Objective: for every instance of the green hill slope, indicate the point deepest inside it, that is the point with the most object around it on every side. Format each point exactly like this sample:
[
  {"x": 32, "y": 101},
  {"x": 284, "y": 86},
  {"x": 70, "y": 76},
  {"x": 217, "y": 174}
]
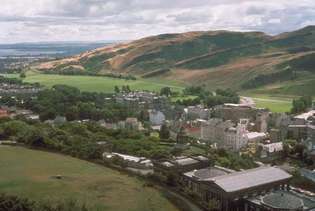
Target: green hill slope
[{"x": 239, "y": 60}]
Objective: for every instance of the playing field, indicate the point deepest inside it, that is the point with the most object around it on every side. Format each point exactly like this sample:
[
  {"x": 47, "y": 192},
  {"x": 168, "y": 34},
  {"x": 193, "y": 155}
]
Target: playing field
[
  {"x": 100, "y": 84},
  {"x": 29, "y": 173}
]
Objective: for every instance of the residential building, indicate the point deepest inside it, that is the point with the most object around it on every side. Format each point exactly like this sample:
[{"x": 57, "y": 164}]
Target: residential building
[
  {"x": 196, "y": 112},
  {"x": 271, "y": 149},
  {"x": 156, "y": 117},
  {"x": 4, "y": 113}
]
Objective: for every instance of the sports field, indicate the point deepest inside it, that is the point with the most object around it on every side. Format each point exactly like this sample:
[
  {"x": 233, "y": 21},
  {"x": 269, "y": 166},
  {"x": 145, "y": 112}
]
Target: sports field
[
  {"x": 100, "y": 84},
  {"x": 29, "y": 173}
]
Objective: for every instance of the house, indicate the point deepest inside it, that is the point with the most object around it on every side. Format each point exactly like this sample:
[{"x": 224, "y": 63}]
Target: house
[
  {"x": 235, "y": 112},
  {"x": 310, "y": 142},
  {"x": 214, "y": 129},
  {"x": 234, "y": 138},
  {"x": 304, "y": 118},
  {"x": 196, "y": 112},
  {"x": 271, "y": 149},
  {"x": 133, "y": 124},
  {"x": 4, "y": 113},
  {"x": 156, "y": 117}
]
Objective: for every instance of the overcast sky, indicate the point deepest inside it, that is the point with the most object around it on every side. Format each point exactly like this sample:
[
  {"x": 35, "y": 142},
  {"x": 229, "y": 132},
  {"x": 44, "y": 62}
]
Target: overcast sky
[{"x": 95, "y": 20}]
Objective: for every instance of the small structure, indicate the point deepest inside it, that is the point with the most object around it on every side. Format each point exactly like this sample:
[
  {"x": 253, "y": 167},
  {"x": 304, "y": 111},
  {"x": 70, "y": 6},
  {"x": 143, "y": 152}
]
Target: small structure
[
  {"x": 131, "y": 161},
  {"x": 271, "y": 149},
  {"x": 4, "y": 113}
]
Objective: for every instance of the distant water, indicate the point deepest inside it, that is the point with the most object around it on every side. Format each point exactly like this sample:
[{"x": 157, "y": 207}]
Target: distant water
[{"x": 46, "y": 49}]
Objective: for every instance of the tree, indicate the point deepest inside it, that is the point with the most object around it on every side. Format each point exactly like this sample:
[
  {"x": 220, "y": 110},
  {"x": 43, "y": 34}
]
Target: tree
[
  {"x": 166, "y": 91},
  {"x": 301, "y": 104},
  {"x": 22, "y": 75},
  {"x": 164, "y": 132},
  {"x": 117, "y": 90}
]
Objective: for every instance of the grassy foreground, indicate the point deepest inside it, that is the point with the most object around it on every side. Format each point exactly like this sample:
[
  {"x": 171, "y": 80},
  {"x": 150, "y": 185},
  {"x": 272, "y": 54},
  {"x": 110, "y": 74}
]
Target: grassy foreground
[
  {"x": 28, "y": 173},
  {"x": 100, "y": 84}
]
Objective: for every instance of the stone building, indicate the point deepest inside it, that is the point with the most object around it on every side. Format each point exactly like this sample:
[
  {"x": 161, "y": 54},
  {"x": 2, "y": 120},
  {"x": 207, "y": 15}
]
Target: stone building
[{"x": 230, "y": 189}]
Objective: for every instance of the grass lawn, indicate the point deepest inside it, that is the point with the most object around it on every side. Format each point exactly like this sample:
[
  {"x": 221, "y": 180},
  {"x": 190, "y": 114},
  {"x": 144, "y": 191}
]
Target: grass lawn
[
  {"x": 28, "y": 173},
  {"x": 276, "y": 103},
  {"x": 98, "y": 83}
]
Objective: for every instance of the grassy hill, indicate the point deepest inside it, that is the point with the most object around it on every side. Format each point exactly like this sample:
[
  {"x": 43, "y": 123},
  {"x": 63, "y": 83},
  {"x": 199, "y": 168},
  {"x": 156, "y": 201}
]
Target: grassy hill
[
  {"x": 29, "y": 173},
  {"x": 238, "y": 60}
]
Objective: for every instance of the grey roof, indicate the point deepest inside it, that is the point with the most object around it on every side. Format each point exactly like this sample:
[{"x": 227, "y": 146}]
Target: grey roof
[
  {"x": 186, "y": 161},
  {"x": 283, "y": 201},
  {"x": 250, "y": 178},
  {"x": 206, "y": 173}
]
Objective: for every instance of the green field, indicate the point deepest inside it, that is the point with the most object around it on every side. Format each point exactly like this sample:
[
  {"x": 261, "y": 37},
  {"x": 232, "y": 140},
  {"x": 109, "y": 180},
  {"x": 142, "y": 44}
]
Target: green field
[
  {"x": 28, "y": 173},
  {"x": 98, "y": 83},
  {"x": 274, "y": 103}
]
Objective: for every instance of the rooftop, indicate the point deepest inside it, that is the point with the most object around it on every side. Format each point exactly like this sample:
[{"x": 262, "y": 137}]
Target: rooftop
[
  {"x": 282, "y": 201},
  {"x": 285, "y": 200},
  {"x": 250, "y": 178},
  {"x": 253, "y": 135},
  {"x": 306, "y": 115},
  {"x": 206, "y": 173},
  {"x": 185, "y": 161}
]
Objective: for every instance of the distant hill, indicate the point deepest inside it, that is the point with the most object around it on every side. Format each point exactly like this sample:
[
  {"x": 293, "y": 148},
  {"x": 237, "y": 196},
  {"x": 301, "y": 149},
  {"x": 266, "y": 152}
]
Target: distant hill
[{"x": 239, "y": 60}]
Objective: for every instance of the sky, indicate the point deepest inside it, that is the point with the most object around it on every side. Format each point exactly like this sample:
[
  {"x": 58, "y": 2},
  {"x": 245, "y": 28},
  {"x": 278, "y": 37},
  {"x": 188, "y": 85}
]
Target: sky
[{"x": 101, "y": 20}]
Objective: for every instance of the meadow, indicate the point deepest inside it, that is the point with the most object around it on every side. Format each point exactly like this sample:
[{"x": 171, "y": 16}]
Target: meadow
[
  {"x": 100, "y": 84},
  {"x": 29, "y": 173},
  {"x": 275, "y": 103}
]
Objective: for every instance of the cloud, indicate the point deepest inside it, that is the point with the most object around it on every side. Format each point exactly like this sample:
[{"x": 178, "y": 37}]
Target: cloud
[{"x": 88, "y": 20}]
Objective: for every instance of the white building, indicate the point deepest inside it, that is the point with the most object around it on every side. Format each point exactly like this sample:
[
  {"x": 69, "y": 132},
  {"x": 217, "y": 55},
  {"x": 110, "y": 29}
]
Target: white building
[
  {"x": 235, "y": 137},
  {"x": 156, "y": 117},
  {"x": 269, "y": 149}
]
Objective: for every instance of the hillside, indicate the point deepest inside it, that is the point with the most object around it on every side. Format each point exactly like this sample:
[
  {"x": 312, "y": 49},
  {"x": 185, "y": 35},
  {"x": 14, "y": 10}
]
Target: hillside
[
  {"x": 239, "y": 60},
  {"x": 30, "y": 173}
]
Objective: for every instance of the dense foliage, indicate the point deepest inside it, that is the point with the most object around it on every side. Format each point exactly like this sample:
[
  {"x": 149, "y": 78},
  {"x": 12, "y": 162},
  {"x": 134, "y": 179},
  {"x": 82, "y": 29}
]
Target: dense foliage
[
  {"x": 301, "y": 104},
  {"x": 264, "y": 79},
  {"x": 208, "y": 98},
  {"x": 74, "y": 71},
  {"x": 68, "y": 101},
  {"x": 231, "y": 160},
  {"x": 82, "y": 140}
]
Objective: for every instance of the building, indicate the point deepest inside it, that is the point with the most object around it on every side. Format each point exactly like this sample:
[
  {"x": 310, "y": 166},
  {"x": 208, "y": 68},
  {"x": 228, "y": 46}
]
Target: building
[
  {"x": 271, "y": 149},
  {"x": 196, "y": 112},
  {"x": 181, "y": 164},
  {"x": 234, "y": 138},
  {"x": 279, "y": 200},
  {"x": 214, "y": 129},
  {"x": 4, "y": 113},
  {"x": 156, "y": 117},
  {"x": 229, "y": 189},
  {"x": 131, "y": 161},
  {"x": 304, "y": 118},
  {"x": 130, "y": 124},
  {"x": 235, "y": 112}
]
